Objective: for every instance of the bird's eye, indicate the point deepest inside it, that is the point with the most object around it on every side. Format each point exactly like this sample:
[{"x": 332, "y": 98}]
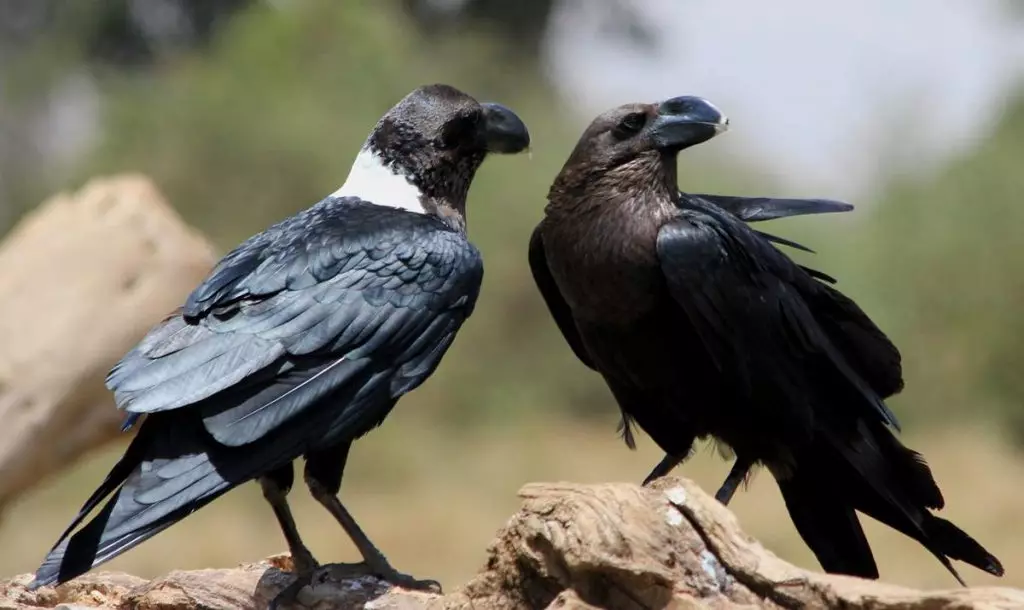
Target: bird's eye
[
  {"x": 459, "y": 130},
  {"x": 630, "y": 125}
]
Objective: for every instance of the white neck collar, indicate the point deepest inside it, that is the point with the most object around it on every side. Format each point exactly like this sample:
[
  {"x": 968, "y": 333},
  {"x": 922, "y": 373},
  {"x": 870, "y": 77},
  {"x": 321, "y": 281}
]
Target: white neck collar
[{"x": 370, "y": 179}]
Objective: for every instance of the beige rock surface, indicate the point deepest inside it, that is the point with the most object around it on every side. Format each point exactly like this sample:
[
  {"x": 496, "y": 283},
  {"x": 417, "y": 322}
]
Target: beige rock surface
[
  {"x": 82, "y": 278},
  {"x": 616, "y": 546}
]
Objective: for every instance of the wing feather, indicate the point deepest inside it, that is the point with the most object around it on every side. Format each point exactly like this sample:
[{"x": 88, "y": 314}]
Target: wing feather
[
  {"x": 755, "y": 209},
  {"x": 746, "y": 300},
  {"x": 560, "y": 310},
  {"x": 294, "y": 314}
]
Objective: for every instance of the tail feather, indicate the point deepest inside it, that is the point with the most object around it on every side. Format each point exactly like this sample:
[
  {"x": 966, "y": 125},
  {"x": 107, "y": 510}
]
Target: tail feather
[
  {"x": 132, "y": 457},
  {"x": 163, "y": 477},
  {"x": 876, "y": 475},
  {"x": 957, "y": 544},
  {"x": 896, "y": 487},
  {"x": 92, "y": 546},
  {"x": 829, "y": 526},
  {"x": 909, "y": 470}
]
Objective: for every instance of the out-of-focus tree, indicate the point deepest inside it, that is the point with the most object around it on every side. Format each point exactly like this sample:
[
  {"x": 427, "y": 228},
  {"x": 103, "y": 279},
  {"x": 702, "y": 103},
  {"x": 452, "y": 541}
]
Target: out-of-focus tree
[
  {"x": 960, "y": 324},
  {"x": 139, "y": 32},
  {"x": 521, "y": 23},
  {"x": 54, "y": 55},
  {"x": 123, "y": 33}
]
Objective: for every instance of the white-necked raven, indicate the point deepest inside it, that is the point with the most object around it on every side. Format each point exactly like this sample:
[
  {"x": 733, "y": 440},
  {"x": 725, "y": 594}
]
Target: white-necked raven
[{"x": 302, "y": 339}]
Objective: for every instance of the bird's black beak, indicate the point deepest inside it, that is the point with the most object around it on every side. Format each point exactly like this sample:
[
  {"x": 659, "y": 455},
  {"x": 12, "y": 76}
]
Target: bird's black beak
[
  {"x": 686, "y": 121},
  {"x": 504, "y": 131}
]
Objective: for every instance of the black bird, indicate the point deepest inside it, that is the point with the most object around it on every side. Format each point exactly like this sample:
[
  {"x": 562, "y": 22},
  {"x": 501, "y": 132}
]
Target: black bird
[
  {"x": 302, "y": 339},
  {"x": 702, "y": 328}
]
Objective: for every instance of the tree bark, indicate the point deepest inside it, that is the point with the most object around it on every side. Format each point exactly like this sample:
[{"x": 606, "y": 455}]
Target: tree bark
[
  {"x": 82, "y": 277},
  {"x": 614, "y": 546}
]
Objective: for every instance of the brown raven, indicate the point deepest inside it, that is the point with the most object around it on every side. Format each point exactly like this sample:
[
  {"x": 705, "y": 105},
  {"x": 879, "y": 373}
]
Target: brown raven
[{"x": 702, "y": 328}]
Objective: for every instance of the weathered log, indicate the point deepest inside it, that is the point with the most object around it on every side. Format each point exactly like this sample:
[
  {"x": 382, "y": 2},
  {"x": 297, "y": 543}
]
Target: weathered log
[
  {"x": 81, "y": 280},
  {"x": 570, "y": 546}
]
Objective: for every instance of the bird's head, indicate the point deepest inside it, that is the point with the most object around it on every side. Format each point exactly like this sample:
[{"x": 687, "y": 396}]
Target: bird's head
[
  {"x": 424, "y": 152},
  {"x": 633, "y": 140}
]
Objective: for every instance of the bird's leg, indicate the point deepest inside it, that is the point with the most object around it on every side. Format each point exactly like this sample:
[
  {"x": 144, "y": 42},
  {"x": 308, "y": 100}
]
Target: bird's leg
[
  {"x": 670, "y": 461},
  {"x": 739, "y": 471},
  {"x": 276, "y": 486},
  {"x": 323, "y": 477},
  {"x": 664, "y": 467},
  {"x": 374, "y": 559}
]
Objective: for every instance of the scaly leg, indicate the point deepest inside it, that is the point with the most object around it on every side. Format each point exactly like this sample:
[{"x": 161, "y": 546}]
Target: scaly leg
[
  {"x": 740, "y": 469},
  {"x": 664, "y": 467},
  {"x": 276, "y": 486},
  {"x": 323, "y": 476}
]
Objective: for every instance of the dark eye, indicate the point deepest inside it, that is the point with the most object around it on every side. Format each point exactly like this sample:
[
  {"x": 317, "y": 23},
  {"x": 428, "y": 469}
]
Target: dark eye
[
  {"x": 459, "y": 130},
  {"x": 630, "y": 125}
]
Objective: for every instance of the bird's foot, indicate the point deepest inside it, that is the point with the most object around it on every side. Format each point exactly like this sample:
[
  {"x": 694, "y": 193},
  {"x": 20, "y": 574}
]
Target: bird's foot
[
  {"x": 380, "y": 568},
  {"x": 305, "y": 568},
  {"x": 303, "y": 562},
  {"x": 289, "y": 596},
  {"x": 406, "y": 581}
]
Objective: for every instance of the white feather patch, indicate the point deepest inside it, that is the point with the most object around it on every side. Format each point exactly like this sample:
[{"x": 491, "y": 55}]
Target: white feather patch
[{"x": 371, "y": 180}]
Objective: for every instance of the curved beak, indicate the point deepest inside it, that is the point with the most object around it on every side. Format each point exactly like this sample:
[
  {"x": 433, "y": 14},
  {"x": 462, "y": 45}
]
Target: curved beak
[
  {"x": 686, "y": 121},
  {"x": 504, "y": 132}
]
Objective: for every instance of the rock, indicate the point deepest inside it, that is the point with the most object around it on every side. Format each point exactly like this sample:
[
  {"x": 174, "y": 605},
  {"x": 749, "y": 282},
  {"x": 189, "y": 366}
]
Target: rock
[
  {"x": 614, "y": 546},
  {"x": 83, "y": 277}
]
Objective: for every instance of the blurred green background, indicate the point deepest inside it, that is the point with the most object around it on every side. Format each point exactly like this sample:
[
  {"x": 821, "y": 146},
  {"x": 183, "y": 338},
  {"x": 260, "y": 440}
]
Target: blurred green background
[{"x": 244, "y": 112}]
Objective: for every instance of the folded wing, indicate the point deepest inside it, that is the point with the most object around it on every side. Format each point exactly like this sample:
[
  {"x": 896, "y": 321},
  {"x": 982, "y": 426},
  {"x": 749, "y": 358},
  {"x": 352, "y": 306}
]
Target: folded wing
[{"x": 296, "y": 312}]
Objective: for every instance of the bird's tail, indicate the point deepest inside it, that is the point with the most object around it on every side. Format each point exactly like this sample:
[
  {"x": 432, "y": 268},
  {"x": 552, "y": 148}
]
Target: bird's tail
[
  {"x": 829, "y": 526},
  {"x": 164, "y": 476},
  {"x": 880, "y": 477}
]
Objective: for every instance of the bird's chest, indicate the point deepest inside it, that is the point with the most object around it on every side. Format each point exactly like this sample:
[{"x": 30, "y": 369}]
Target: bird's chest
[{"x": 606, "y": 267}]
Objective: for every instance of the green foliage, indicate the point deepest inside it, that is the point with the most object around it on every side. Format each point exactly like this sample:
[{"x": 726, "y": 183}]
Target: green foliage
[{"x": 946, "y": 257}]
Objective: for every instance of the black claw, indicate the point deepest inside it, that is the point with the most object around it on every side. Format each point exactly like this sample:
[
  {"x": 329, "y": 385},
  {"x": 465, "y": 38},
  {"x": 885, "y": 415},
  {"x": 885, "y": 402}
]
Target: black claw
[
  {"x": 408, "y": 582},
  {"x": 392, "y": 576}
]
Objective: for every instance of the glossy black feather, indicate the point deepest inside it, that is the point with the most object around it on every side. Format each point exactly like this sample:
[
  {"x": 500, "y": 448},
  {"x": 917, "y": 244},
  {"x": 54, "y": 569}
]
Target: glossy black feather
[
  {"x": 755, "y": 209},
  {"x": 338, "y": 280},
  {"x": 746, "y": 301},
  {"x": 829, "y": 525},
  {"x": 782, "y": 241},
  {"x": 871, "y": 353}
]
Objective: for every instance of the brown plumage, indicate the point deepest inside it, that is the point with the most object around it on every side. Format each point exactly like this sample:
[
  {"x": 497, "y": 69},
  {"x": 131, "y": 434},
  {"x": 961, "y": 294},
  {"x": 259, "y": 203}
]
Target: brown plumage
[{"x": 702, "y": 328}]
